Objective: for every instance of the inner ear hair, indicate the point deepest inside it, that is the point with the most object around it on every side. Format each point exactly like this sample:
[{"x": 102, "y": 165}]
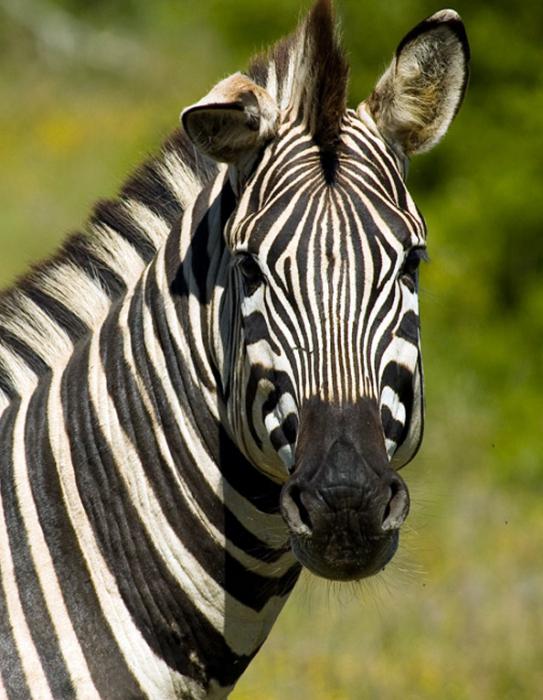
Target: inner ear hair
[{"x": 418, "y": 96}]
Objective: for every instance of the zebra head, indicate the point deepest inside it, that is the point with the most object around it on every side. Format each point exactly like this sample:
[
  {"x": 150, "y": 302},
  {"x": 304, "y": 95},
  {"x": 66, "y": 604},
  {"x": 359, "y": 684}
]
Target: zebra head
[{"x": 319, "y": 320}]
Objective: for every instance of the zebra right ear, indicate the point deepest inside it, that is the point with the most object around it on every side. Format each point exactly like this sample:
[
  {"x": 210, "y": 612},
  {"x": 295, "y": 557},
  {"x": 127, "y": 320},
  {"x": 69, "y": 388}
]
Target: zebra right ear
[
  {"x": 416, "y": 99},
  {"x": 232, "y": 121}
]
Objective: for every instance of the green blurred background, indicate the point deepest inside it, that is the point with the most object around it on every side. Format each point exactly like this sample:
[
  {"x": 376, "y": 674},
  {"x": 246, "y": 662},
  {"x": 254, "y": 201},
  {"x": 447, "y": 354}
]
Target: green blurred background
[{"x": 87, "y": 89}]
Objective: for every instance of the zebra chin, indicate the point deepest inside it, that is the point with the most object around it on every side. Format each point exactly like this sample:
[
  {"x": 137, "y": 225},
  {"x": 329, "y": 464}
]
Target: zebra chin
[
  {"x": 346, "y": 563},
  {"x": 343, "y": 544}
]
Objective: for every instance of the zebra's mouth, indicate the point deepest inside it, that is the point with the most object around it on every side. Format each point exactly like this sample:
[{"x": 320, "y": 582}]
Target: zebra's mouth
[{"x": 344, "y": 555}]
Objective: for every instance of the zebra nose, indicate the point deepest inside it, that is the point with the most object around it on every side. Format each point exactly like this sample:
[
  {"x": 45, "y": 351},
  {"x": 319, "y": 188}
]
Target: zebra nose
[
  {"x": 296, "y": 504},
  {"x": 397, "y": 505}
]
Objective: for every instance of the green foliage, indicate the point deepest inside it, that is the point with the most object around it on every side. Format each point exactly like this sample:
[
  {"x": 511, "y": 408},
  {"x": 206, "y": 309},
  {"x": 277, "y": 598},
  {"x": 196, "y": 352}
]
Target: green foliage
[{"x": 75, "y": 118}]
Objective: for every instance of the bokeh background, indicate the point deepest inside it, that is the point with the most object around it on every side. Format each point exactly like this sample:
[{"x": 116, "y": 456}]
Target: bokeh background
[{"x": 88, "y": 89}]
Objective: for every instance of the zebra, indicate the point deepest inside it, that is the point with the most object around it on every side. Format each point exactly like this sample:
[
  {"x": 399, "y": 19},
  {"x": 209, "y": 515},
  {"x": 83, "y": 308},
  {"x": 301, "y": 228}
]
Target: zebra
[{"x": 215, "y": 384}]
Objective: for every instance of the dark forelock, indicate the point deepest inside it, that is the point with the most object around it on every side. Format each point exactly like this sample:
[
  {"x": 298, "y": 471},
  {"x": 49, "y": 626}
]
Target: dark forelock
[{"x": 320, "y": 82}]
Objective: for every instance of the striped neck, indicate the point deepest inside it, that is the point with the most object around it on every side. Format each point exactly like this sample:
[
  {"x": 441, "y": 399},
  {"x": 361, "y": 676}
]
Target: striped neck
[{"x": 114, "y": 340}]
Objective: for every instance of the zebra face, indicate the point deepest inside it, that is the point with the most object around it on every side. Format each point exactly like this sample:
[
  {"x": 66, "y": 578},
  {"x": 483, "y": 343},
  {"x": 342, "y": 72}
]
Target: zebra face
[
  {"x": 325, "y": 276},
  {"x": 325, "y": 279},
  {"x": 319, "y": 321}
]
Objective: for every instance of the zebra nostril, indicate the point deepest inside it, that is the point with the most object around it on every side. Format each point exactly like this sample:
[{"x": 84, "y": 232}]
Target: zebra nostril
[
  {"x": 294, "y": 510},
  {"x": 397, "y": 506}
]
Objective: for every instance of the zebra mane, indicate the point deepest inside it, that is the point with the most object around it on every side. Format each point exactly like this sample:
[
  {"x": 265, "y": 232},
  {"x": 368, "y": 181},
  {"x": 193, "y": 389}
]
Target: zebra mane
[
  {"x": 307, "y": 73},
  {"x": 60, "y": 301}
]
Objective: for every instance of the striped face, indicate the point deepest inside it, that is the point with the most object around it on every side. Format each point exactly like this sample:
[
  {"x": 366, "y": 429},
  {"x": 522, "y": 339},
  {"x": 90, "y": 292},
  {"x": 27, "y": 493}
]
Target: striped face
[
  {"x": 319, "y": 324},
  {"x": 325, "y": 276}
]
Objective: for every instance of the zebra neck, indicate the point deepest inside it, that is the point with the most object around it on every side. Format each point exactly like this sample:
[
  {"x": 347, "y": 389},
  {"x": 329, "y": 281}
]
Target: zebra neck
[
  {"x": 187, "y": 528},
  {"x": 146, "y": 532}
]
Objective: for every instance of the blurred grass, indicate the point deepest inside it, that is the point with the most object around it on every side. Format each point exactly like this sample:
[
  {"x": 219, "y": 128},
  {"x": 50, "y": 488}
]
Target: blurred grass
[{"x": 459, "y": 614}]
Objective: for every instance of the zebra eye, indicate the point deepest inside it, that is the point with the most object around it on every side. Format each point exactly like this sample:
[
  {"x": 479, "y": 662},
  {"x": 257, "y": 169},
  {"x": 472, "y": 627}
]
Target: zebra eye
[
  {"x": 411, "y": 264},
  {"x": 251, "y": 272}
]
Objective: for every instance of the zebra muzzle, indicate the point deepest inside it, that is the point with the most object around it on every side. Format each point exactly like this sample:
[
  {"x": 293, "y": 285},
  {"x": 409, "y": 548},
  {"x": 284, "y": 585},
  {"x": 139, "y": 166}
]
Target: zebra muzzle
[{"x": 343, "y": 505}]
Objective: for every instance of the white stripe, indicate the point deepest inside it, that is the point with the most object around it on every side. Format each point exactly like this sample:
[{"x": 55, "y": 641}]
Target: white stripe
[
  {"x": 354, "y": 375},
  {"x": 317, "y": 378},
  {"x": 45, "y": 570},
  {"x": 391, "y": 400},
  {"x": 271, "y": 82},
  {"x": 207, "y": 596},
  {"x": 155, "y": 677},
  {"x": 363, "y": 179},
  {"x": 181, "y": 180},
  {"x": 117, "y": 253},
  {"x": 17, "y": 371},
  {"x": 153, "y": 226},
  {"x": 266, "y": 526},
  {"x": 375, "y": 146},
  {"x": 30, "y": 661},
  {"x": 34, "y": 327},
  {"x": 385, "y": 263},
  {"x": 288, "y": 82},
  {"x": 82, "y": 295},
  {"x": 400, "y": 351},
  {"x": 158, "y": 363}
]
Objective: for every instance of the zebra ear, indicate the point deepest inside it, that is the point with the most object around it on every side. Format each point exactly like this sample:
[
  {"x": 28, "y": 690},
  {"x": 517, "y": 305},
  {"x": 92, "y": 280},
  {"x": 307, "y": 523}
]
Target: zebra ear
[
  {"x": 418, "y": 96},
  {"x": 233, "y": 120}
]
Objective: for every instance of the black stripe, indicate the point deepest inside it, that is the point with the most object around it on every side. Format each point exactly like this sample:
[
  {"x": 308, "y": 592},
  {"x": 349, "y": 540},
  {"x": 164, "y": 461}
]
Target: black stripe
[
  {"x": 297, "y": 331},
  {"x": 255, "y": 329},
  {"x": 13, "y": 676},
  {"x": 386, "y": 334},
  {"x": 203, "y": 169},
  {"x": 29, "y": 356},
  {"x": 401, "y": 381},
  {"x": 393, "y": 429},
  {"x": 194, "y": 278},
  {"x": 74, "y": 327},
  {"x": 240, "y": 474},
  {"x": 248, "y": 587},
  {"x": 148, "y": 186},
  {"x": 107, "y": 666},
  {"x": 284, "y": 237},
  {"x": 114, "y": 215},
  {"x": 335, "y": 362},
  {"x": 277, "y": 439},
  {"x": 163, "y": 612},
  {"x": 219, "y": 514},
  {"x": 33, "y": 603},
  {"x": 408, "y": 328},
  {"x": 6, "y": 387},
  {"x": 78, "y": 250},
  {"x": 383, "y": 172},
  {"x": 281, "y": 162}
]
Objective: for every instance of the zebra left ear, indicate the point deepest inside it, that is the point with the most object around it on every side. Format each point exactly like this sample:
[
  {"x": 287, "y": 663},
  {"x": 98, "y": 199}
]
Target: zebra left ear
[
  {"x": 232, "y": 121},
  {"x": 418, "y": 96}
]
